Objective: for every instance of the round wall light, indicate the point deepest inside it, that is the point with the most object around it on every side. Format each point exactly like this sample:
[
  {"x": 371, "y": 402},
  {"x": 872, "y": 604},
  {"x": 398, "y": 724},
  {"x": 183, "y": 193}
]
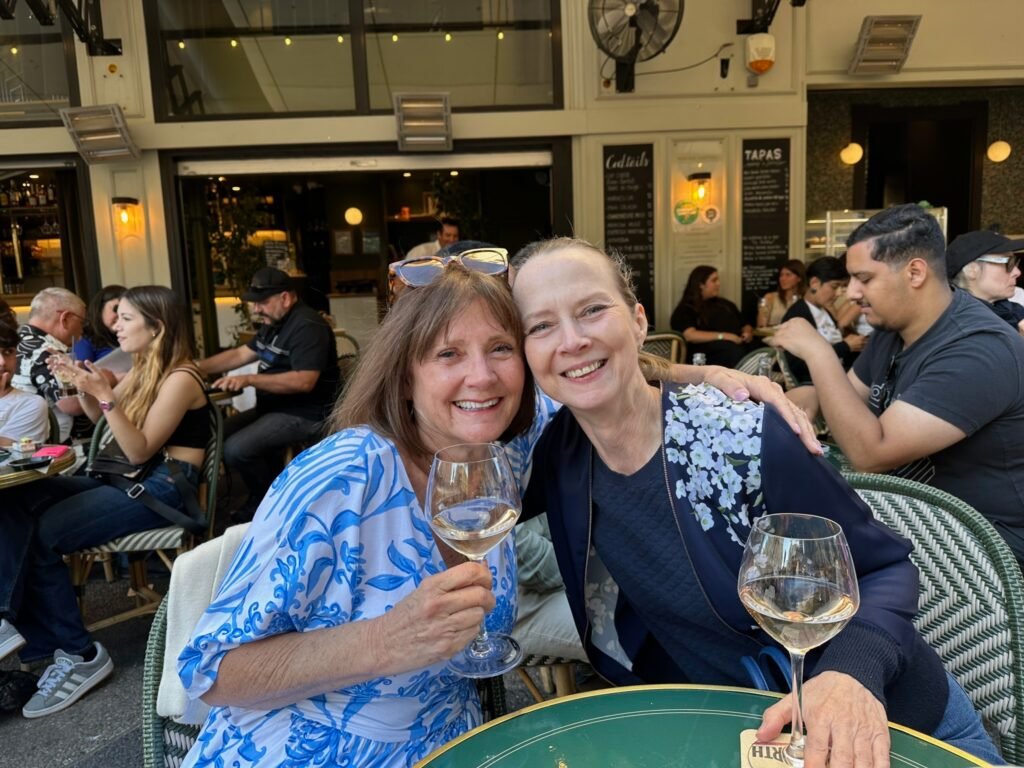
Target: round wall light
[
  {"x": 353, "y": 216},
  {"x": 998, "y": 151},
  {"x": 852, "y": 153}
]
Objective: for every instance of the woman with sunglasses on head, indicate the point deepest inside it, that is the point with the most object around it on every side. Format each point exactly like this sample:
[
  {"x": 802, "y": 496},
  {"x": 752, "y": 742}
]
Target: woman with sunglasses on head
[
  {"x": 987, "y": 266},
  {"x": 359, "y": 624},
  {"x": 650, "y": 494},
  {"x": 157, "y": 416}
]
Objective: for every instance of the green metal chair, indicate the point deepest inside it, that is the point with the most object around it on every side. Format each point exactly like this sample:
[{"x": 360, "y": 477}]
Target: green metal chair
[
  {"x": 971, "y": 596},
  {"x": 173, "y": 538}
]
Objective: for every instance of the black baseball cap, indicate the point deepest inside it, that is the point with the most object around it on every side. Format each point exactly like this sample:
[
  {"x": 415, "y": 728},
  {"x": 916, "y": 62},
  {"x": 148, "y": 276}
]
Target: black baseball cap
[
  {"x": 972, "y": 245},
  {"x": 266, "y": 283}
]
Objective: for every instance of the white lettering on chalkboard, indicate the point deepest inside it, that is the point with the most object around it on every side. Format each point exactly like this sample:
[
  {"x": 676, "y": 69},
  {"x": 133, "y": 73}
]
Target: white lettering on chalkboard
[
  {"x": 627, "y": 161},
  {"x": 762, "y": 154}
]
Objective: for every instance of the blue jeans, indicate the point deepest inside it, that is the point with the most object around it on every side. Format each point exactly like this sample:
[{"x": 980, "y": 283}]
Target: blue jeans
[
  {"x": 44, "y": 520},
  {"x": 961, "y": 726},
  {"x": 255, "y": 442}
]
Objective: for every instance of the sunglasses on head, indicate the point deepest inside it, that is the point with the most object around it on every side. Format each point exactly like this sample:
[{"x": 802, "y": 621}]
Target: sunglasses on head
[
  {"x": 417, "y": 272},
  {"x": 1009, "y": 261}
]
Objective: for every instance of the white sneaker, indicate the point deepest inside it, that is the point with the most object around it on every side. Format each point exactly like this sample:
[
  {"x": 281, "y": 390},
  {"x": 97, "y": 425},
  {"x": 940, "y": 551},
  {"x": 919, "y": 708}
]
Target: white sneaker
[{"x": 10, "y": 639}]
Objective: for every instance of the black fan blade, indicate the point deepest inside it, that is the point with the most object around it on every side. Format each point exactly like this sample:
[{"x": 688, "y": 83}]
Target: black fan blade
[
  {"x": 658, "y": 23},
  {"x": 613, "y": 29}
]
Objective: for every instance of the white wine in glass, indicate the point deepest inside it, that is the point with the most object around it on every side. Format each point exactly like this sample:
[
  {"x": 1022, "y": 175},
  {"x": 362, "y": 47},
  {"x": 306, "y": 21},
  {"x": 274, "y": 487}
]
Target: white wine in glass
[
  {"x": 473, "y": 502},
  {"x": 798, "y": 581}
]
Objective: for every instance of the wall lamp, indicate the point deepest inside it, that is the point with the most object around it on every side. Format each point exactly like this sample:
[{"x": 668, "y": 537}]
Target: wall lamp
[
  {"x": 353, "y": 217},
  {"x": 127, "y": 215},
  {"x": 998, "y": 151},
  {"x": 852, "y": 153}
]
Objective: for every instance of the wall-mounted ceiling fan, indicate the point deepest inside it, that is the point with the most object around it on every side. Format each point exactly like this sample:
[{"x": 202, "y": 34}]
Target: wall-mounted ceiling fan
[{"x": 633, "y": 30}]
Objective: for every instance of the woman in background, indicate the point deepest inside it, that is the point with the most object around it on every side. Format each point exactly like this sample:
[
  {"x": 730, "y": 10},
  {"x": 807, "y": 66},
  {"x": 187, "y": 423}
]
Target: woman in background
[
  {"x": 101, "y": 316},
  {"x": 792, "y": 283},
  {"x": 710, "y": 324}
]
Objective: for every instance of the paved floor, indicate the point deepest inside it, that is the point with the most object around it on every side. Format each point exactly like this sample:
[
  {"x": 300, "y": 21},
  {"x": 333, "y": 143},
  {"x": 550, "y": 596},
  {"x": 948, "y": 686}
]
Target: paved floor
[{"x": 104, "y": 729}]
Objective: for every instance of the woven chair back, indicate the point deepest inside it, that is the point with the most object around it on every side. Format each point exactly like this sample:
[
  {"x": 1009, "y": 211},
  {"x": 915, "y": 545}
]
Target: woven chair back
[{"x": 971, "y": 596}]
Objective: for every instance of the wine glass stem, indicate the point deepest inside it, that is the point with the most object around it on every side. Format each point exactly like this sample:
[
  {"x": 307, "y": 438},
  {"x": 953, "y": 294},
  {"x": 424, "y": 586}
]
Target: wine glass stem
[
  {"x": 481, "y": 645},
  {"x": 795, "y": 750}
]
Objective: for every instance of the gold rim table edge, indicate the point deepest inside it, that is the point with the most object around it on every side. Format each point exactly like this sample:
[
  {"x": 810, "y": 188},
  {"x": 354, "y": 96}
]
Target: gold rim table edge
[
  {"x": 56, "y": 466},
  {"x": 426, "y": 762}
]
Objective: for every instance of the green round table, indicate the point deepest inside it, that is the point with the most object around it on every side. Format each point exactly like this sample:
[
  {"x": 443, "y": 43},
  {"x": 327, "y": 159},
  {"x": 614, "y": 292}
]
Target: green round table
[{"x": 643, "y": 726}]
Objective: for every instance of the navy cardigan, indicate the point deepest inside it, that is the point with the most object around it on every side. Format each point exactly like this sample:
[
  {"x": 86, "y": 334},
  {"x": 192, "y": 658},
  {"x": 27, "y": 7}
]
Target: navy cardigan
[{"x": 880, "y": 647}]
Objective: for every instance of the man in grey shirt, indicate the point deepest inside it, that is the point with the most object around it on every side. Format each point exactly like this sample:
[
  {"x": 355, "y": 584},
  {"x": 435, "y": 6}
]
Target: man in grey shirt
[{"x": 938, "y": 394}]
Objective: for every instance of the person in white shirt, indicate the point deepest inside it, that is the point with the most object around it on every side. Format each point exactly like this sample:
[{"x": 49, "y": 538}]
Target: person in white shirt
[
  {"x": 21, "y": 414},
  {"x": 447, "y": 233}
]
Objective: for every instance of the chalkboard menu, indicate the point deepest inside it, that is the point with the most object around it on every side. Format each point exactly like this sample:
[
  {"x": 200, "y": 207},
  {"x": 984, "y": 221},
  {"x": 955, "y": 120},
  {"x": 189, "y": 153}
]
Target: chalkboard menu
[
  {"x": 765, "y": 217},
  {"x": 629, "y": 213}
]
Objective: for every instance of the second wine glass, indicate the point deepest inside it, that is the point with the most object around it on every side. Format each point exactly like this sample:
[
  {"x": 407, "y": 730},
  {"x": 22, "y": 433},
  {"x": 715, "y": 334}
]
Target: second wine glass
[
  {"x": 473, "y": 502},
  {"x": 798, "y": 581}
]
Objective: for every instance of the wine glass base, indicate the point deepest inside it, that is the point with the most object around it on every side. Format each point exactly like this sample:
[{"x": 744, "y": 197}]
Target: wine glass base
[{"x": 502, "y": 655}]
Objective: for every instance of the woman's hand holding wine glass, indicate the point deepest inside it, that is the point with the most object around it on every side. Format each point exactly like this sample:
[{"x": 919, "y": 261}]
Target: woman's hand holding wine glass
[
  {"x": 473, "y": 502},
  {"x": 798, "y": 582}
]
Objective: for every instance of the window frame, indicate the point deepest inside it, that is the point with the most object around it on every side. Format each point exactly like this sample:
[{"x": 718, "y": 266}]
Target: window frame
[{"x": 356, "y": 32}]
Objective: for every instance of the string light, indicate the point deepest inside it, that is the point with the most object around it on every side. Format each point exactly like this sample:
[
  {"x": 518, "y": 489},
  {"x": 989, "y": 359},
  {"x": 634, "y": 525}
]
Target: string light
[
  {"x": 234, "y": 43},
  {"x": 501, "y": 35},
  {"x": 341, "y": 38},
  {"x": 181, "y": 44},
  {"x": 455, "y": 173},
  {"x": 447, "y": 37},
  {"x": 287, "y": 41},
  {"x": 394, "y": 38},
  {"x": 14, "y": 50},
  {"x": 407, "y": 174}
]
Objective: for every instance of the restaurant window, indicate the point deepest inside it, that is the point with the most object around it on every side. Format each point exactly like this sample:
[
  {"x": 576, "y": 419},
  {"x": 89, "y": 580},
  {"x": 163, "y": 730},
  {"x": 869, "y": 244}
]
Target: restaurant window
[
  {"x": 257, "y": 58},
  {"x": 36, "y": 70}
]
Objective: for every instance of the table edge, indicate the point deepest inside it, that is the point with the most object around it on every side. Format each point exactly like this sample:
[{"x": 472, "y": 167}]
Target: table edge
[{"x": 425, "y": 762}]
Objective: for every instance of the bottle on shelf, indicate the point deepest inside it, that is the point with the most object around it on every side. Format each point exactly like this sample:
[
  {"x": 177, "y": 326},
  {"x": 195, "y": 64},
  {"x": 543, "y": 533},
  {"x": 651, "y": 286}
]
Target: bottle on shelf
[
  {"x": 4, "y": 199},
  {"x": 51, "y": 194}
]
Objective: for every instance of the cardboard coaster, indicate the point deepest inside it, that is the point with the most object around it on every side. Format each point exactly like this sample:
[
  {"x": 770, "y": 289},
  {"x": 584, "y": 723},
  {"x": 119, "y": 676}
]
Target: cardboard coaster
[{"x": 762, "y": 754}]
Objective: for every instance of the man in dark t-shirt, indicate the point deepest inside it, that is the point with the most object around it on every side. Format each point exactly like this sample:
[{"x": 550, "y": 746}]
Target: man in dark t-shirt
[
  {"x": 938, "y": 394},
  {"x": 295, "y": 385}
]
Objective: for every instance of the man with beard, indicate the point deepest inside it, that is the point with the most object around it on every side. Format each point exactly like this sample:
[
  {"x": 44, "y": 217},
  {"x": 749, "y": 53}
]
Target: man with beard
[
  {"x": 938, "y": 394},
  {"x": 295, "y": 385}
]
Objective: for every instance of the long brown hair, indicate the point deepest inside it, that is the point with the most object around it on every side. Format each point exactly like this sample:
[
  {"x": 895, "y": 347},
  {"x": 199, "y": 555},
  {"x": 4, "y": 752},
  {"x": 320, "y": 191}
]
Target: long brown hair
[
  {"x": 653, "y": 367},
  {"x": 171, "y": 347},
  {"x": 377, "y": 394},
  {"x": 799, "y": 269}
]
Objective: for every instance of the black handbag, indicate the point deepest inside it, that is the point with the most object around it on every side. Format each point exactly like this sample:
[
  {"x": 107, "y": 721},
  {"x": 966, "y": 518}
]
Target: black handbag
[{"x": 112, "y": 467}]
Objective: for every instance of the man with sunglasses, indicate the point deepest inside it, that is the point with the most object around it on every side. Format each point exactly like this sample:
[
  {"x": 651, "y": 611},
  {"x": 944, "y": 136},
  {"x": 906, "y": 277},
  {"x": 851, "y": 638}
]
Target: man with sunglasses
[
  {"x": 987, "y": 266},
  {"x": 56, "y": 319},
  {"x": 938, "y": 393}
]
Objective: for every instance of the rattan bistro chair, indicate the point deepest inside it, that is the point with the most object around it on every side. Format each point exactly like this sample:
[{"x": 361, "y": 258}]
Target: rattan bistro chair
[
  {"x": 971, "y": 607},
  {"x": 751, "y": 362},
  {"x": 172, "y": 539},
  {"x": 669, "y": 345},
  {"x": 164, "y": 742}
]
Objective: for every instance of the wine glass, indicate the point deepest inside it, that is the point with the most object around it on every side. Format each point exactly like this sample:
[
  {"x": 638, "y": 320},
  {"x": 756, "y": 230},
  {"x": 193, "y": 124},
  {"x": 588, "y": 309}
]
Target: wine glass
[
  {"x": 798, "y": 582},
  {"x": 473, "y": 502}
]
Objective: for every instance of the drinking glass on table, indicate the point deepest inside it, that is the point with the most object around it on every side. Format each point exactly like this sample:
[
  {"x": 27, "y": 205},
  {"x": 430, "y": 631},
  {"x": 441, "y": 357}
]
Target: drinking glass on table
[
  {"x": 798, "y": 582},
  {"x": 473, "y": 502}
]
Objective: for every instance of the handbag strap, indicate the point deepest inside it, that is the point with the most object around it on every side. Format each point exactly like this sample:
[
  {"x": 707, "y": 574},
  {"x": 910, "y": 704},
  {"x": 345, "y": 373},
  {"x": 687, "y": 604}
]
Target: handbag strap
[{"x": 138, "y": 492}]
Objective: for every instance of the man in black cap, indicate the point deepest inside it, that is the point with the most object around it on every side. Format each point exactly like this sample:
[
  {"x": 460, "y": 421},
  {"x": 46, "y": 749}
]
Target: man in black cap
[
  {"x": 986, "y": 265},
  {"x": 295, "y": 386},
  {"x": 937, "y": 395}
]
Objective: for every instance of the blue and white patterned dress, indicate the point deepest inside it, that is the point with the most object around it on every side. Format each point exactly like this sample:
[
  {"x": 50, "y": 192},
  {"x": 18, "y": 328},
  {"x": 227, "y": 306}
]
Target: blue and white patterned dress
[{"x": 340, "y": 537}]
